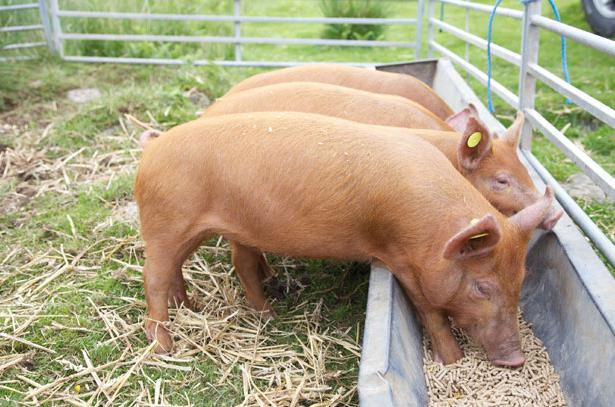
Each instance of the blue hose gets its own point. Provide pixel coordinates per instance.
(489, 31)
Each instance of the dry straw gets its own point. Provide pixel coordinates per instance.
(302, 358)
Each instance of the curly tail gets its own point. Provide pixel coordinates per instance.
(147, 136)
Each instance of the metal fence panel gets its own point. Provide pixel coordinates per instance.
(24, 43)
(529, 73)
(238, 38)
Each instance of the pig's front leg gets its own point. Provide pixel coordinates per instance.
(436, 324)
(443, 344)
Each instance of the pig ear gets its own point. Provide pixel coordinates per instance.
(475, 144)
(459, 120)
(529, 218)
(513, 133)
(477, 239)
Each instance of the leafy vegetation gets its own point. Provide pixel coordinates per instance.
(354, 9)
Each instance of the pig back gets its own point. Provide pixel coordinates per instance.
(358, 78)
(301, 184)
(331, 100)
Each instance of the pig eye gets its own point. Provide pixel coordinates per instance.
(502, 181)
(482, 289)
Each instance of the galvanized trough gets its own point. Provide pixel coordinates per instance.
(568, 297)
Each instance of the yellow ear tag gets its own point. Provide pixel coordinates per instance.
(474, 222)
(474, 139)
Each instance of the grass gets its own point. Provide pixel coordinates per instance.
(57, 203)
(67, 186)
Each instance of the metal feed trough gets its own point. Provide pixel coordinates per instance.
(568, 296)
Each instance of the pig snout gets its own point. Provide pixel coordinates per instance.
(515, 359)
(507, 354)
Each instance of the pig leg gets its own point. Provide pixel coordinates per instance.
(177, 291)
(164, 284)
(247, 263)
(444, 345)
(264, 269)
(158, 273)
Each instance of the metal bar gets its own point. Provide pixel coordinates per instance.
(18, 7)
(602, 178)
(593, 106)
(583, 37)
(497, 50)
(44, 16)
(58, 44)
(431, 4)
(419, 28)
(14, 28)
(501, 11)
(243, 19)
(236, 14)
(467, 44)
(230, 40)
(24, 45)
(574, 211)
(17, 58)
(530, 42)
(497, 87)
(169, 61)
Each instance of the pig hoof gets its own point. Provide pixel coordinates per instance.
(267, 312)
(177, 301)
(155, 330)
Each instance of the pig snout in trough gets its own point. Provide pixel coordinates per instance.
(313, 186)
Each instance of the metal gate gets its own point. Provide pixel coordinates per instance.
(58, 37)
(38, 23)
(531, 22)
(529, 73)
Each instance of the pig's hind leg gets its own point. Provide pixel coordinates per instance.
(158, 275)
(264, 269)
(248, 266)
(177, 290)
(164, 284)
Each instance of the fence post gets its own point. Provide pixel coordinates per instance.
(236, 14)
(530, 40)
(419, 28)
(42, 11)
(430, 13)
(57, 29)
